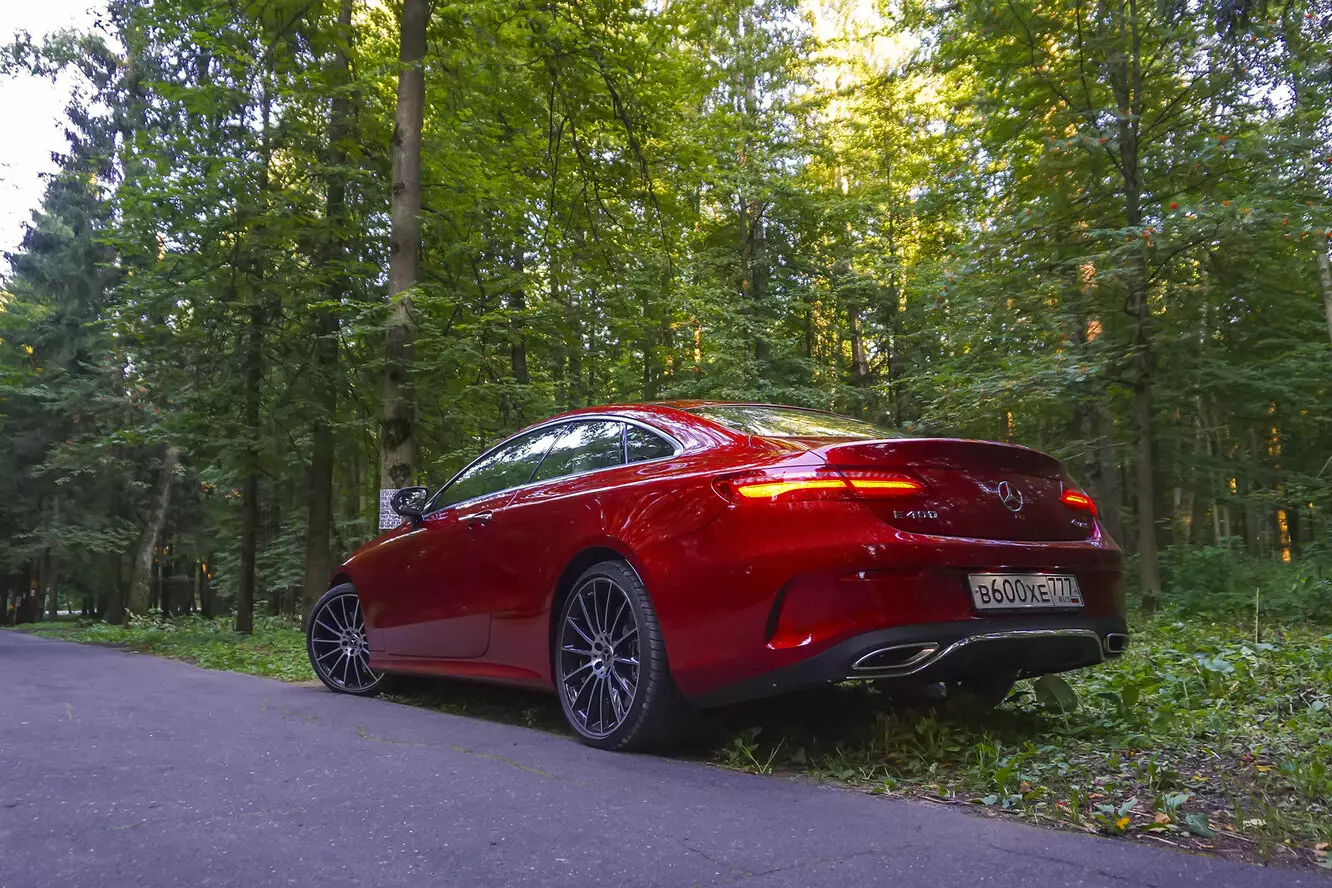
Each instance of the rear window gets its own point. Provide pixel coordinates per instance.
(790, 422)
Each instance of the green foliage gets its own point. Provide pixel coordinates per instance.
(1219, 581)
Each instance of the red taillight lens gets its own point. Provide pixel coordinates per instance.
(802, 485)
(876, 485)
(792, 488)
(1078, 501)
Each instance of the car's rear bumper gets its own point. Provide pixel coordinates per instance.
(746, 598)
(931, 652)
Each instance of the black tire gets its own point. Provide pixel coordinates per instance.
(656, 712)
(336, 644)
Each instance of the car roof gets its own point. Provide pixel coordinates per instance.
(671, 417)
(678, 406)
(676, 418)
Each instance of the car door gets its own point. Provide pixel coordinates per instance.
(529, 539)
(442, 609)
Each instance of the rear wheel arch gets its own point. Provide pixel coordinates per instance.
(572, 571)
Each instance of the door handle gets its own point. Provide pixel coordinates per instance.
(477, 519)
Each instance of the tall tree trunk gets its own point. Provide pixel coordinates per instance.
(517, 306)
(51, 569)
(319, 518)
(251, 512)
(1127, 83)
(399, 418)
(28, 608)
(1149, 571)
(1325, 279)
(206, 604)
(753, 271)
(164, 585)
(319, 502)
(254, 371)
(859, 359)
(138, 601)
(1297, 48)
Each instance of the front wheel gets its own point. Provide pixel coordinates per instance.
(337, 645)
(610, 664)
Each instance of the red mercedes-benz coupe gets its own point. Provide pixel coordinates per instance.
(642, 559)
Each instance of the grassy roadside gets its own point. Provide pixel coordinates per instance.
(276, 650)
(1202, 737)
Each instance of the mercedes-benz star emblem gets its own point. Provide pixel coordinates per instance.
(1010, 496)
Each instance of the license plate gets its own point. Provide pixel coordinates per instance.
(1006, 591)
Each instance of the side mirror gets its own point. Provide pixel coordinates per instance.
(409, 502)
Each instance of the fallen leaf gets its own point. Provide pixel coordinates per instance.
(1197, 824)
(1162, 818)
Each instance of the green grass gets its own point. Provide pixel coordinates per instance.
(276, 650)
(1200, 737)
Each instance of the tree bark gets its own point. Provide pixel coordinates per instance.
(1127, 82)
(859, 360)
(753, 270)
(517, 307)
(1325, 279)
(397, 452)
(28, 608)
(319, 503)
(164, 585)
(253, 369)
(206, 608)
(140, 590)
(51, 570)
(250, 482)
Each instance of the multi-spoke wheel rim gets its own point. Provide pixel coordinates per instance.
(339, 646)
(598, 656)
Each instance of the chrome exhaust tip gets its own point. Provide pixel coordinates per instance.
(1115, 643)
(896, 659)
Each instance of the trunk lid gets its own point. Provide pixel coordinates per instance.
(978, 489)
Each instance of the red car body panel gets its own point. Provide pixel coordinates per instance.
(740, 588)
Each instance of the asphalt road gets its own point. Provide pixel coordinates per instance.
(118, 769)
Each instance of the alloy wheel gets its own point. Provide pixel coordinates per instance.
(598, 657)
(339, 648)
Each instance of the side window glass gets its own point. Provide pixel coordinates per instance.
(509, 466)
(644, 445)
(583, 447)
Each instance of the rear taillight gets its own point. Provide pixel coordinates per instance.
(803, 485)
(884, 484)
(1078, 501)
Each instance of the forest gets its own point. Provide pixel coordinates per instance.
(301, 250)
